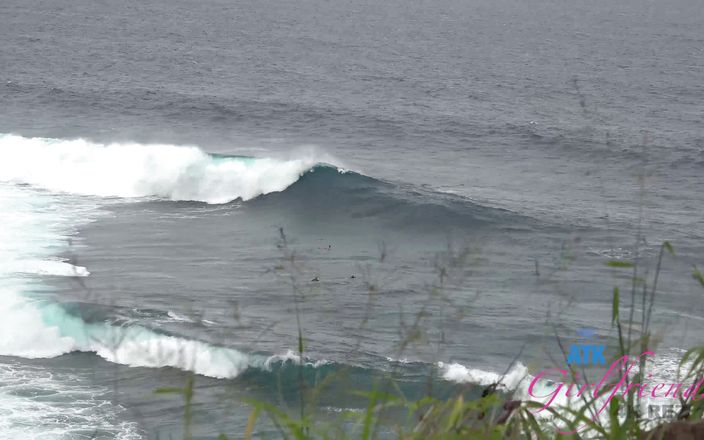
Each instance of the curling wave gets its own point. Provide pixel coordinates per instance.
(136, 170)
(304, 186)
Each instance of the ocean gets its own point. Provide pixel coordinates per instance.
(179, 180)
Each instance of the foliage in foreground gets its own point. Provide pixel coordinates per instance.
(493, 415)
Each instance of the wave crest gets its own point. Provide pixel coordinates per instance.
(137, 170)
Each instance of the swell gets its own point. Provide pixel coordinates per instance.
(326, 192)
(38, 224)
(36, 227)
(299, 185)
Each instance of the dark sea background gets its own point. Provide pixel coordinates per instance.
(385, 138)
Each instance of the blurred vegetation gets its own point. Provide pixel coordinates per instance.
(495, 414)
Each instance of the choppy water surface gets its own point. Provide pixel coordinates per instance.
(153, 152)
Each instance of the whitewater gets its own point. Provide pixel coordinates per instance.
(51, 188)
(171, 172)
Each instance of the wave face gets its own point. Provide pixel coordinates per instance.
(326, 192)
(136, 170)
(302, 185)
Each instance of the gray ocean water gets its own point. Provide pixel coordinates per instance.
(153, 151)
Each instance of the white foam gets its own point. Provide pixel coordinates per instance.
(30, 233)
(38, 330)
(137, 170)
(293, 357)
(36, 225)
(516, 376)
(23, 331)
(138, 347)
(176, 317)
(47, 267)
(44, 405)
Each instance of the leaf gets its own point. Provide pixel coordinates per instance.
(457, 412)
(697, 274)
(668, 247)
(614, 306)
(619, 263)
(250, 424)
(534, 426)
(614, 427)
(168, 391)
(300, 344)
(369, 418)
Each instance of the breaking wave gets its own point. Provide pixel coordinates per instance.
(136, 170)
(304, 185)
